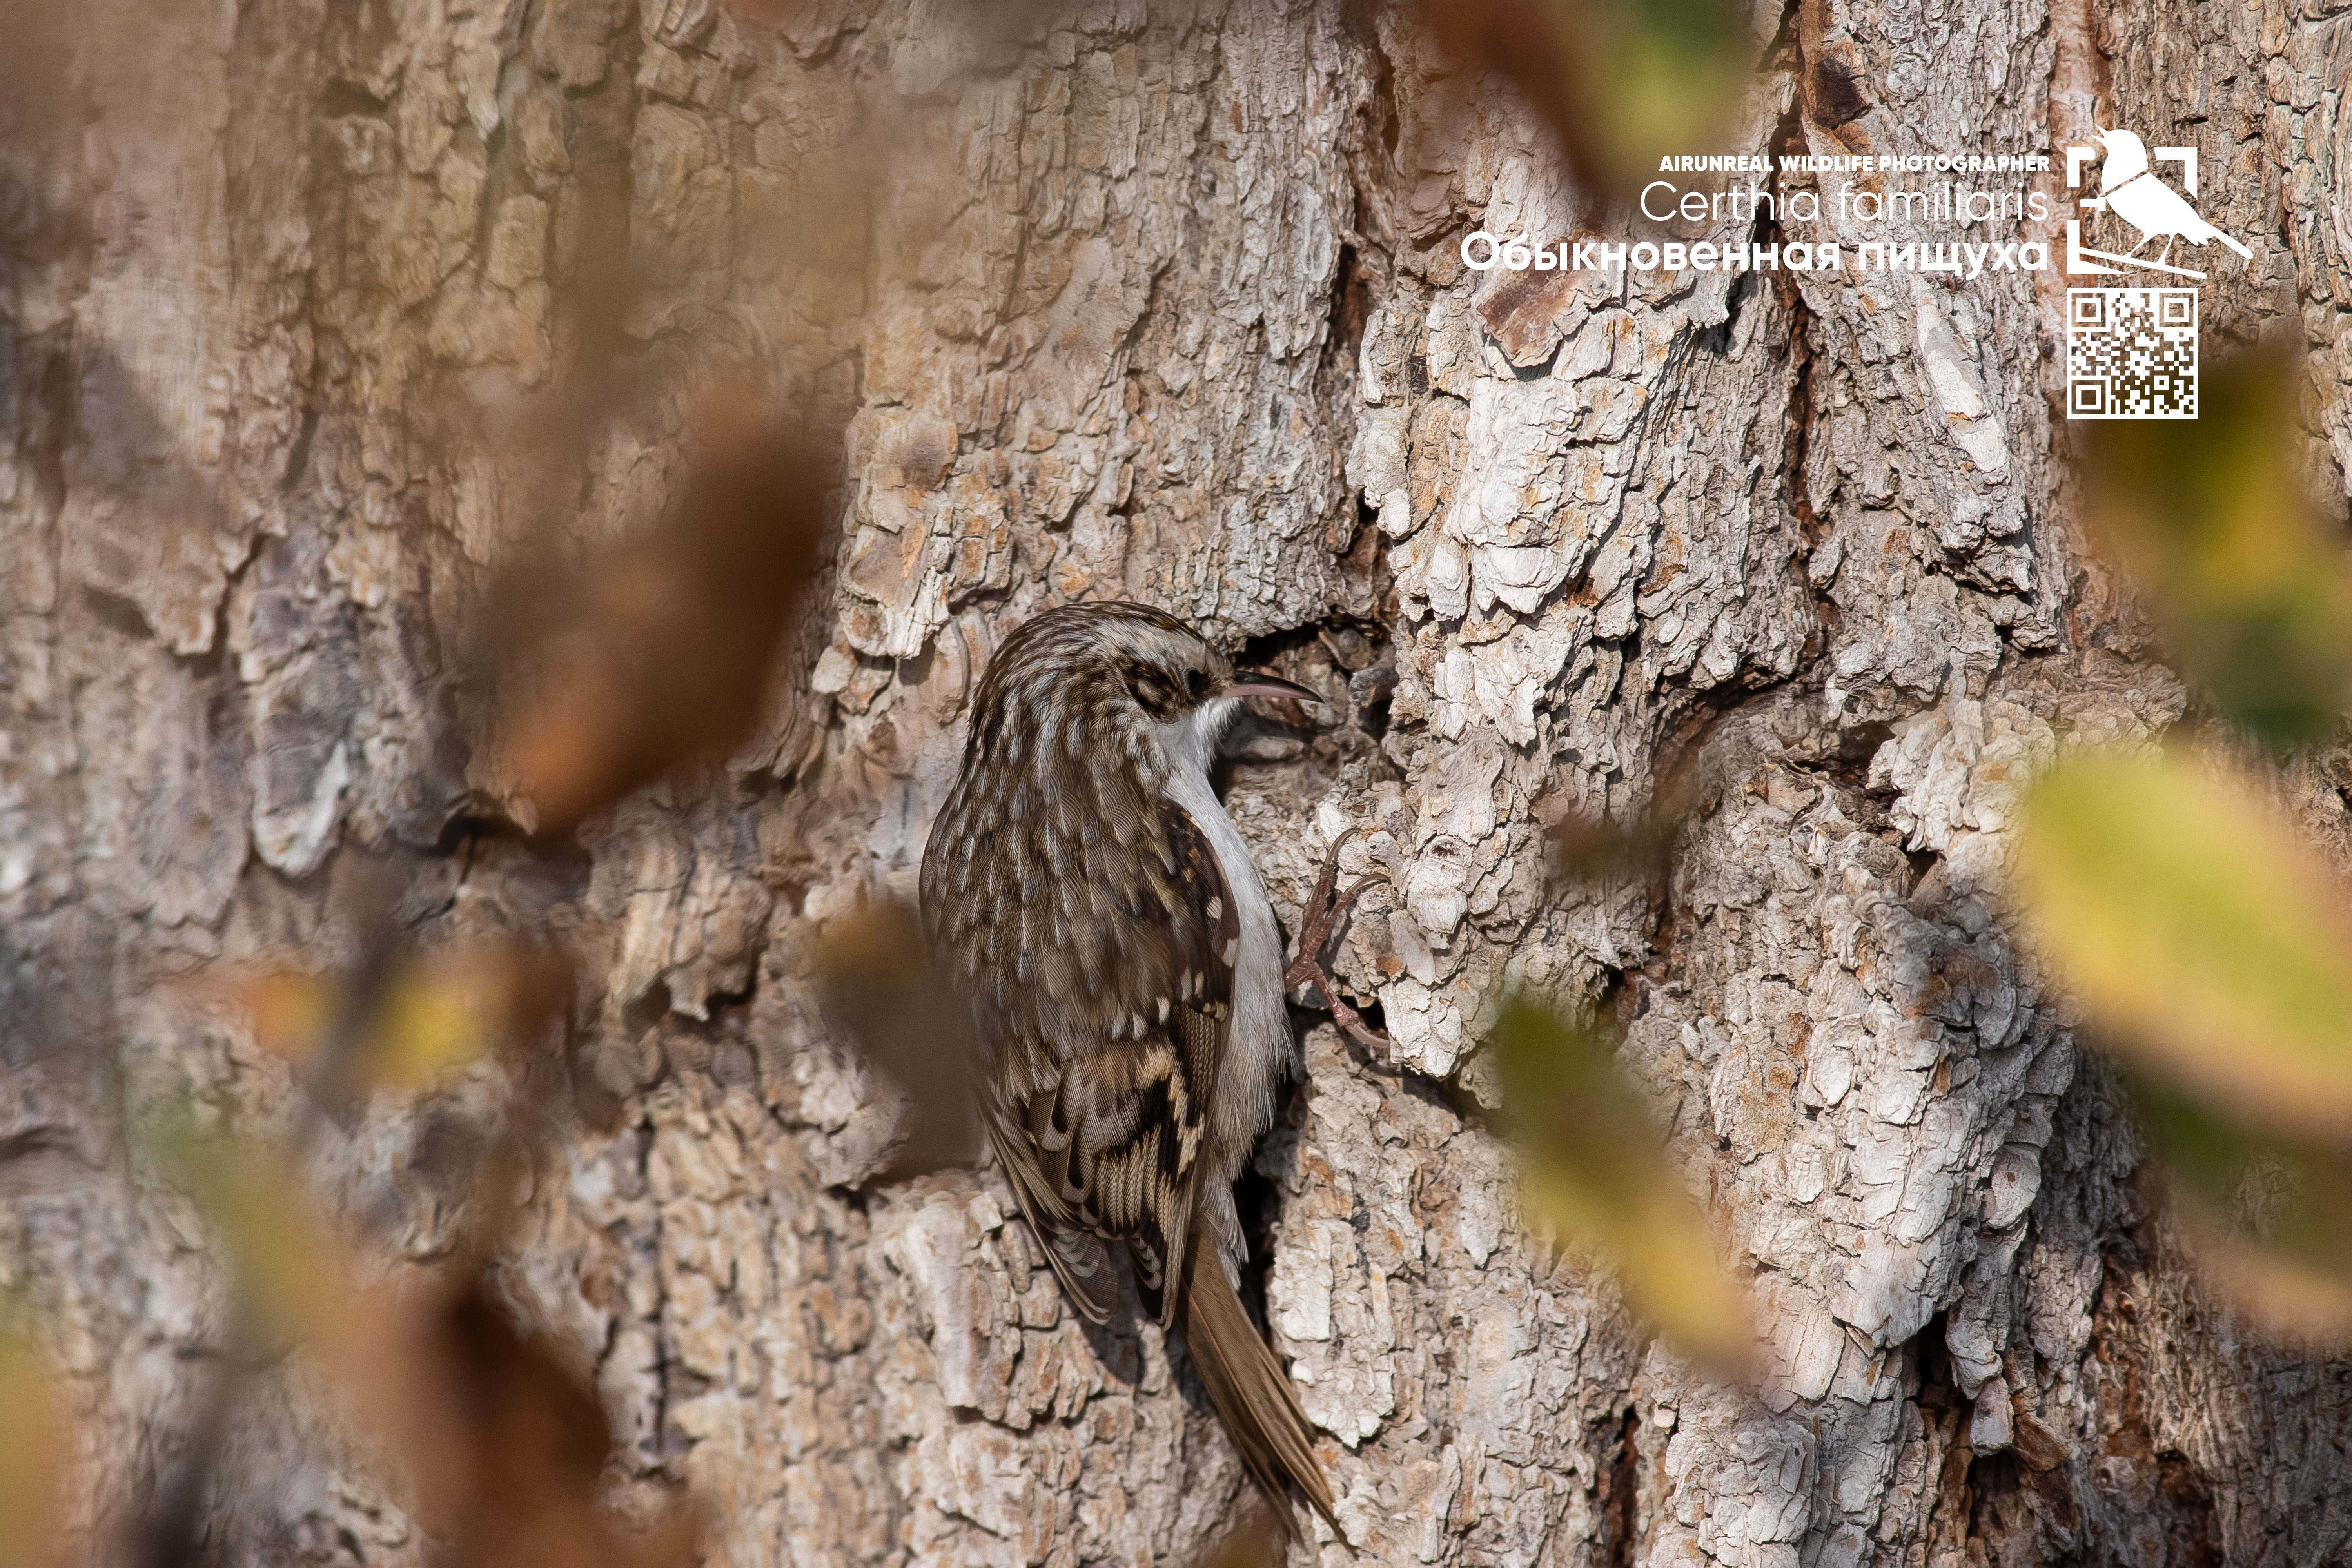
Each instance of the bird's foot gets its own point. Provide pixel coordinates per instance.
(1326, 907)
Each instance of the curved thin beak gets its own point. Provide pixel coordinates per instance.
(1257, 683)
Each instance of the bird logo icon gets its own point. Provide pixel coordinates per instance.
(2130, 188)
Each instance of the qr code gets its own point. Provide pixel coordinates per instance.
(2131, 353)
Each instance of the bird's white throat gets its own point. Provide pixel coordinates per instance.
(1259, 1046)
(1193, 740)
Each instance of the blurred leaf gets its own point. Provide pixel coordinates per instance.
(436, 1014)
(294, 1272)
(2197, 929)
(1587, 848)
(36, 1446)
(2210, 518)
(503, 1438)
(1620, 82)
(508, 1445)
(2270, 1216)
(1260, 1539)
(882, 992)
(665, 648)
(1595, 1169)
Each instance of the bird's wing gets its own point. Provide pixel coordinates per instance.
(1109, 1147)
(2166, 210)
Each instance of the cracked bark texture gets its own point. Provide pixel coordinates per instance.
(1161, 302)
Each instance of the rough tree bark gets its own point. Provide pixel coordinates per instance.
(1164, 302)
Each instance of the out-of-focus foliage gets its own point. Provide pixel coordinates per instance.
(508, 1446)
(2198, 931)
(2210, 518)
(436, 1014)
(1596, 1171)
(2210, 948)
(1585, 847)
(603, 676)
(501, 1437)
(1620, 82)
(2270, 1212)
(297, 1279)
(2215, 959)
(1260, 1540)
(37, 1446)
(663, 649)
(881, 992)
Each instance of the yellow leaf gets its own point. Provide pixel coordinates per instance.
(2198, 931)
(438, 1016)
(289, 1265)
(435, 1015)
(1596, 1170)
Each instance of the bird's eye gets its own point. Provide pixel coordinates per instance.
(1196, 683)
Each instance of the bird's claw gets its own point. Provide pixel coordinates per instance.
(1326, 908)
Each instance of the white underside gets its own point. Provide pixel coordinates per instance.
(1259, 1045)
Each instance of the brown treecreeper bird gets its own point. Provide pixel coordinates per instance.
(1089, 896)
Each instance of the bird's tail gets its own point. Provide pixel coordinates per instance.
(1247, 1386)
(2232, 244)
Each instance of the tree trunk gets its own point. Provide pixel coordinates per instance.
(1163, 304)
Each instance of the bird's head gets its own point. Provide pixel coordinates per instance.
(1117, 663)
(2122, 147)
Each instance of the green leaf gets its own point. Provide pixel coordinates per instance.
(1596, 1170)
(1620, 82)
(2269, 1216)
(2197, 930)
(2210, 518)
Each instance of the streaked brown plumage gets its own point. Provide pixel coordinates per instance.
(1087, 893)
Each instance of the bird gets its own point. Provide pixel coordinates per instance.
(2129, 188)
(1084, 891)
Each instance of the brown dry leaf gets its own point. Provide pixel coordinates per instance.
(1261, 1539)
(1619, 81)
(509, 1447)
(1595, 1168)
(665, 649)
(36, 1446)
(882, 993)
(1586, 848)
